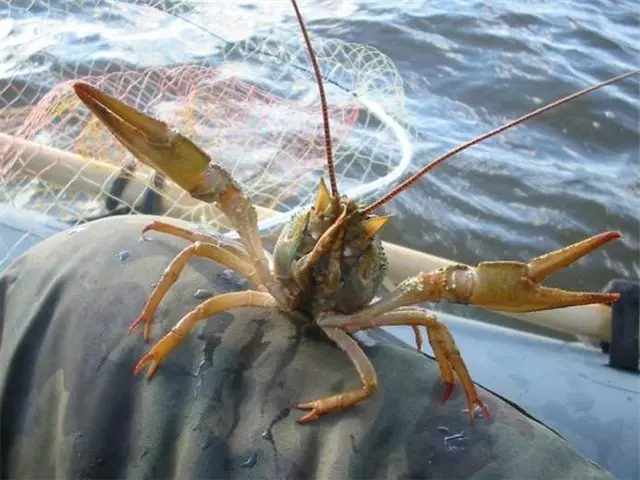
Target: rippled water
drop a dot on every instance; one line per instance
(564, 176)
(467, 67)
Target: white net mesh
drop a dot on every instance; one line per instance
(251, 104)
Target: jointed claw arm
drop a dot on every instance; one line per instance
(155, 144)
(504, 286)
(507, 286)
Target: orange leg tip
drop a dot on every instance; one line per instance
(486, 413)
(446, 393)
(483, 409)
(137, 368)
(312, 415)
(309, 417)
(142, 362)
(139, 321)
(147, 331)
(135, 324)
(152, 370)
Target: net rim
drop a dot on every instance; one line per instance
(401, 136)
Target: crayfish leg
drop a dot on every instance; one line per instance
(368, 378)
(172, 272)
(217, 304)
(444, 348)
(191, 236)
(418, 337)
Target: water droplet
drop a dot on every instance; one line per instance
(207, 359)
(202, 293)
(455, 436)
(124, 255)
(251, 461)
(477, 412)
(267, 432)
(456, 442)
(78, 229)
(595, 124)
(365, 338)
(609, 114)
(229, 280)
(228, 274)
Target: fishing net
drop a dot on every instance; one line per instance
(251, 103)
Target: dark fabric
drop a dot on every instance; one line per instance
(221, 405)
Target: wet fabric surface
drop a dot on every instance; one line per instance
(221, 405)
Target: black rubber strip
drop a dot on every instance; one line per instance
(624, 349)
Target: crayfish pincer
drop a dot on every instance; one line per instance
(328, 263)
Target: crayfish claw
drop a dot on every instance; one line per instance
(516, 287)
(151, 141)
(544, 265)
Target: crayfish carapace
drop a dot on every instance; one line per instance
(328, 263)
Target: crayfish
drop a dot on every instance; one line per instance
(328, 263)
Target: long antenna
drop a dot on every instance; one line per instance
(323, 100)
(412, 179)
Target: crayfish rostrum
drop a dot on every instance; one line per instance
(328, 263)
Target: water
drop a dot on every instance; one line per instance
(564, 176)
(567, 175)
(467, 68)
(471, 66)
